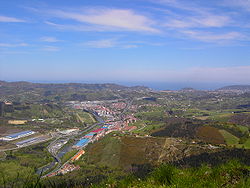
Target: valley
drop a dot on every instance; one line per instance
(57, 132)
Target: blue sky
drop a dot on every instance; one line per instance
(125, 41)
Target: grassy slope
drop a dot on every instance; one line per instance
(23, 162)
(104, 152)
(247, 144)
(232, 140)
(226, 175)
(229, 138)
(85, 117)
(125, 151)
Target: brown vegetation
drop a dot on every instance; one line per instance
(127, 151)
(210, 134)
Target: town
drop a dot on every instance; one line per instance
(111, 115)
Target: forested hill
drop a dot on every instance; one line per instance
(244, 88)
(28, 92)
(29, 85)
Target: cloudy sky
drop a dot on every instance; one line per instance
(125, 40)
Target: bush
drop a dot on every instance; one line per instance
(164, 175)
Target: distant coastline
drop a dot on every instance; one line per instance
(152, 85)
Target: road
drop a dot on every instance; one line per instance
(57, 159)
(9, 149)
(56, 156)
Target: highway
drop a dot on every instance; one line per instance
(57, 160)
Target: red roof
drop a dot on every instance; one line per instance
(97, 130)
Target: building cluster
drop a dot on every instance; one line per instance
(56, 146)
(96, 134)
(119, 105)
(68, 167)
(91, 137)
(129, 119)
(151, 105)
(63, 136)
(110, 110)
(115, 121)
(64, 169)
(17, 135)
(133, 108)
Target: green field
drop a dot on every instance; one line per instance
(105, 152)
(243, 129)
(85, 117)
(230, 139)
(247, 144)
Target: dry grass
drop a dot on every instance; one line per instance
(210, 134)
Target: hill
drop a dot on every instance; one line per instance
(27, 91)
(235, 88)
(29, 85)
(190, 129)
(126, 151)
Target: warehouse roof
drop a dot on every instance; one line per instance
(19, 134)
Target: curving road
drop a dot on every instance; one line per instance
(57, 159)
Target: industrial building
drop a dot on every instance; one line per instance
(98, 130)
(90, 135)
(17, 135)
(30, 141)
(78, 155)
(81, 143)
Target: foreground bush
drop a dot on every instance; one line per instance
(231, 174)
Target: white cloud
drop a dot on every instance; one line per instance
(203, 22)
(10, 19)
(77, 27)
(200, 21)
(244, 4)
(190, 6)
(50, 39)
(105, 43)
(9, 45)
(130, 46)
(177, 18)
(110, 43)
(51, 48)
(214, 37)
(109, 19)
(192, 15)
